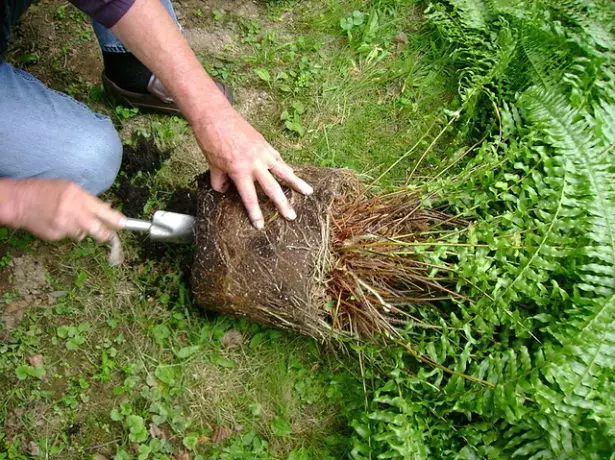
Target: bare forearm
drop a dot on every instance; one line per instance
(150, 33)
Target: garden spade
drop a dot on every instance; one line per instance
(165, 226)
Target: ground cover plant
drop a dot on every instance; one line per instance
(501, 112)
(535, 336)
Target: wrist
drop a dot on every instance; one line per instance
(208, 110)
(10, 207)
(201, 101)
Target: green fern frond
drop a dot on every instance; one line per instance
(572, 137)
(538, 262)
(475, 14)
(571, 418)
(565, 385)
(530, 66)
(593, 21)
(604, 116)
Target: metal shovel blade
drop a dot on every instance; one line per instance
(166, 226)
(172, 227)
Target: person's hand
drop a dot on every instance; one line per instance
(57, 209)
(235, 150)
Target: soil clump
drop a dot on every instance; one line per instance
(27, 279)
(275, 276)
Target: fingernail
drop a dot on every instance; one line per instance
(259, 224)
(122, 222)
(308, 190)
(291, 215)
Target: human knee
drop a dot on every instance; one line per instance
(96, 156)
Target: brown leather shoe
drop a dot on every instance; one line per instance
(157, 98)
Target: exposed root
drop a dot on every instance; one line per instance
(377, 277)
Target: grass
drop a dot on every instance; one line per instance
(131, 368)
(129, 339)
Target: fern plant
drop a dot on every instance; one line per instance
(525, 366)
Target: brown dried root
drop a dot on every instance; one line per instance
(378, 271)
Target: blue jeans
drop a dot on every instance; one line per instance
(47, 134)
(109, 42)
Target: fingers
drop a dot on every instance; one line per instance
(99, 220)
(79, 235)
(55, 209)
(275, 193)
(96, 219)
(89, 224)
(265, 177)
(98, 230)
(286, 173)
(219, 180)
(245, 187)
(105, 214)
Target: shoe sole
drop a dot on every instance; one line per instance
(149, 102)
(142, 101)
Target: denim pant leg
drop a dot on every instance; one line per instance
(47, 134)
(110, 43)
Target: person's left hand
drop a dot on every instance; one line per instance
(235, 150)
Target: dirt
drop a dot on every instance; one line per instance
(38, 413)
(59, 51)
(247, 8)
(26, 277)
(186, 10)
(232, 339)
(133, 197)
(12, 314)
(275, 276)
(218, 40)
(29, 277)
(5, 282)
(182, 200)
(221, 433)
(251, 102)
(143, 158)
(214, 42)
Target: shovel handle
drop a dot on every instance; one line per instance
(138, 225)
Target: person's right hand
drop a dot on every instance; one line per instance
(235, 150)
(56, 209)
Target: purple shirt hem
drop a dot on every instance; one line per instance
(106, 12)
